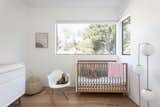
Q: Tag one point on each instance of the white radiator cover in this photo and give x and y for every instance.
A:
(12, 83)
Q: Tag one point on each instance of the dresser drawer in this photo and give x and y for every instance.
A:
(11, 75)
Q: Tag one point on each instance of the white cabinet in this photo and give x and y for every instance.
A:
(12, 83)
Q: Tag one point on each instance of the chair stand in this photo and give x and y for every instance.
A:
(66, 97)
(63, 92)
(51, 95)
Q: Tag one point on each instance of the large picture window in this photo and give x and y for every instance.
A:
(126, 37)
(85, 38)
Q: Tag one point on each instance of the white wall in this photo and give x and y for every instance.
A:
(13, 23)
(43, 61)
(145, 28)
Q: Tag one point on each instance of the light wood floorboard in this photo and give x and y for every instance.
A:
(46, 99)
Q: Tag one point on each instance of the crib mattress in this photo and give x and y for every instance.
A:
(101, 80)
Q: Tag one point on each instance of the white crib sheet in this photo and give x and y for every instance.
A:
(101, 80)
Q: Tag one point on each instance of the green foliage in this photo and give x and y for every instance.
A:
(102, 37)
(95, 39)
(126, 36)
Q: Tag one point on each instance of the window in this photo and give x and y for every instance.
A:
(86, 38)
(126, 37)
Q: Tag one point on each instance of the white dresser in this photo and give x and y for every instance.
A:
(12, 83)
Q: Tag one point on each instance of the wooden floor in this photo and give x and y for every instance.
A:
(44, 99)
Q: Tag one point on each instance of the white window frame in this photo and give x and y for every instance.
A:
(114, 22)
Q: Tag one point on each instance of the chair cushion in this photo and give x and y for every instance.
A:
(62, 80)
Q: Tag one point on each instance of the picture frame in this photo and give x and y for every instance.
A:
(41, 40)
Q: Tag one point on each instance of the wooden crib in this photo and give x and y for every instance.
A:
(87, 81)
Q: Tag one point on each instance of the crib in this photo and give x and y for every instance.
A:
(102, 82)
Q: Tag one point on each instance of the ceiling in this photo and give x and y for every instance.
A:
(75, 3)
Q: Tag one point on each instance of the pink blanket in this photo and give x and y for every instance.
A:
(7, 63)
(115, 70)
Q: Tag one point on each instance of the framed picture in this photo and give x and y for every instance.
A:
(41, 40)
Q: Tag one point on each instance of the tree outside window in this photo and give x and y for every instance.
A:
(79, 38)
(126, 37)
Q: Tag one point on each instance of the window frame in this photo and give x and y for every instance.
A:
(128, 18)
(85, 22)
